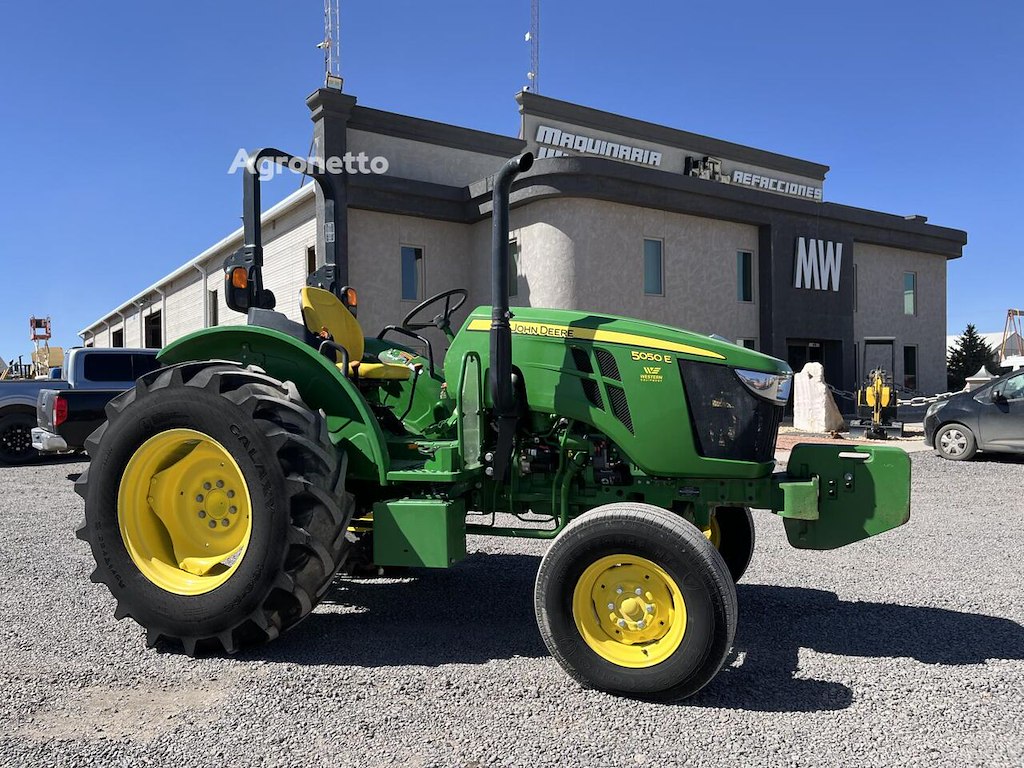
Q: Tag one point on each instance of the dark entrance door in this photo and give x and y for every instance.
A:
(829, 353)
(800, 352)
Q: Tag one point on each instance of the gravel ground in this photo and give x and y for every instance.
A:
(907, 649)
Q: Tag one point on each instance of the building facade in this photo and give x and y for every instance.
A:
(617, 216)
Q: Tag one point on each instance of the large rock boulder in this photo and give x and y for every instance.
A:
(814, 408)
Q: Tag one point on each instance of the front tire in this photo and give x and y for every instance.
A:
(955, 442)
(214, 506)
(634, 600)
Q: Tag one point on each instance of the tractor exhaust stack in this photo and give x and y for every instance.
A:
(502, 392)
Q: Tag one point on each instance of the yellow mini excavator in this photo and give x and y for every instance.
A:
(876, 396)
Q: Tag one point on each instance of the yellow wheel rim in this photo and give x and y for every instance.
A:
(629, 611)
(713, 532)
(184, 511)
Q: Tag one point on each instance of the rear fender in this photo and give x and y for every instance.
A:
(831, 496)
(321, 384)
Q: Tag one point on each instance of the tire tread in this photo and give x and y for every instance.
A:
(319, 508)
(656, 522)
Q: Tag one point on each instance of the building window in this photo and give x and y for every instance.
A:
(910, 368)
(654, 268)
(154, 330)
(117, 338)
(748, 343)
(311, 260)
(412, 273)
(745, 276)
(513, 268)
(214, 307)
(910, 293)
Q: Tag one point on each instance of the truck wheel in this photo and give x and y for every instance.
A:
(732, 534)
(955, 442)
(214, 506)
(634, 600)
(16, 437)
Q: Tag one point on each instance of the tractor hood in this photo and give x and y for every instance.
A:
(640, 335)
(675, 402)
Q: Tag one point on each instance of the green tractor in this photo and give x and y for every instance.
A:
(227, 489)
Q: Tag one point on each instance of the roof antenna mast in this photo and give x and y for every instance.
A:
(533, 38)
(331, 45)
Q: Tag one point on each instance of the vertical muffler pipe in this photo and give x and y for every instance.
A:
(500, 369)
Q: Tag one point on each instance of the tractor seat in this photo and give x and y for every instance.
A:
(323, 311)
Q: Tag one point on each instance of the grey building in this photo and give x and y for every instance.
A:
(617, 215)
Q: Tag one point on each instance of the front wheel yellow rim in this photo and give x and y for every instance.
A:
(629, 611)
(184, 511)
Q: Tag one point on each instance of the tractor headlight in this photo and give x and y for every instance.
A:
(770, 386)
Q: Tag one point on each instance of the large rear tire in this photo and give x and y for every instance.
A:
(214, 506)
(634, 600)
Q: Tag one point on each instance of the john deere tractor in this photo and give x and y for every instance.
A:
(227, 488)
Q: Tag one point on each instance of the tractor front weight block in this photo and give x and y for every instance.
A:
(831, 496)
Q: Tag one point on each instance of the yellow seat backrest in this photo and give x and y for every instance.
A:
(323, 310)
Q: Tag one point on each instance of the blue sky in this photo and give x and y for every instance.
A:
(118, 120)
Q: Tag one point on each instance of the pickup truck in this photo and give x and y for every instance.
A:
(89, 374)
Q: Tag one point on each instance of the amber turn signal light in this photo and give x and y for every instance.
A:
(239, 277)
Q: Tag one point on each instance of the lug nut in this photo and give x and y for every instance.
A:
(199, 497)
(202, 513)
(641, 624)
(622, 623)
(232, 509)
(207, 486)
(225, 522)
(638, 591)
(220, 483)
(611, 606)
(650, 609)
(618, 590)
(231, 494)
(213, 523)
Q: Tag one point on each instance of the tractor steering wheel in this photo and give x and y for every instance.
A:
(442, 320)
